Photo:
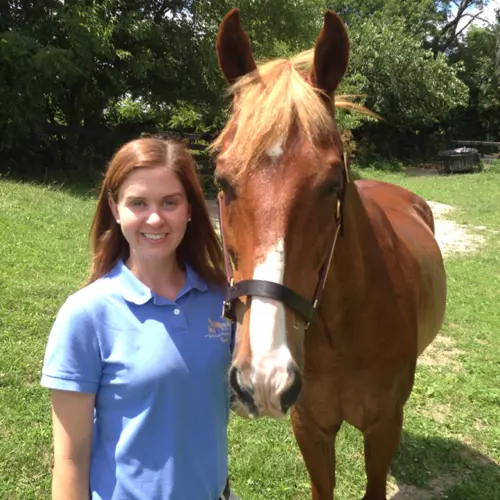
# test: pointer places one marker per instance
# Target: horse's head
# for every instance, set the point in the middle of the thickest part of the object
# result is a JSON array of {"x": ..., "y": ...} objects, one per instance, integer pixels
[{"x": 281, "y": 172}]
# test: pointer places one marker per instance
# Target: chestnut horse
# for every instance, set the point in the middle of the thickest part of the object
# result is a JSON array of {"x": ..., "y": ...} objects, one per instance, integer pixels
[{"x": 287, "y": 205}]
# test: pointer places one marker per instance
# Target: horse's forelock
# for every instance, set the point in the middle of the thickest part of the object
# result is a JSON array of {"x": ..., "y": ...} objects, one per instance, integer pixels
[{"x": 271, "y": 101}]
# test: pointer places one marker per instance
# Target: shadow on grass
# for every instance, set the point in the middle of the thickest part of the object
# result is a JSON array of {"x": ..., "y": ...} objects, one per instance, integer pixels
[
  {"x": 428, "y": 468},
  {"x": 79, "y": 188},
  {"x": 89, "y": 187}
]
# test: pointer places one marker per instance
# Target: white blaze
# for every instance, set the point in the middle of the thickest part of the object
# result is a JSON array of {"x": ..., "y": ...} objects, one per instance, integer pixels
[
  {"x": 276, "y": 150},
  {"x": 270, "y": 353}
]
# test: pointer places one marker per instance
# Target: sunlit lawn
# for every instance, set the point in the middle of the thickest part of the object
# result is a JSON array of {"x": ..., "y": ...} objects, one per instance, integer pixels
[{"x": 451, "y": 442}]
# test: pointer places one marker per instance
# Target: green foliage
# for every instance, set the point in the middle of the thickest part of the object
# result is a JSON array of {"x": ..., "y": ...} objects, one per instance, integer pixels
[
  {"x": 131, "y": 110},
  {"x": 494, "y": 166},
  {"x": 21, "y": 99},
  {"x": 381, "y": 165},
  {"x": 481, "y": 72},
  {"x": 186, "y": 115},
  {"x": 150, "y": 66},
  {"x": 406, "y": 85}
]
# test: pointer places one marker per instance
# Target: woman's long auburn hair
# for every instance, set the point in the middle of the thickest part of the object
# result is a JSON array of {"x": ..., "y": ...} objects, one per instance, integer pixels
[{"x": 200, "y": 247}]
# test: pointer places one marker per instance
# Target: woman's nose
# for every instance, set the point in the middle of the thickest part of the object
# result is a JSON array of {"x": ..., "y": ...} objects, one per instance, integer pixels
[{"x": 154, "y": 218}]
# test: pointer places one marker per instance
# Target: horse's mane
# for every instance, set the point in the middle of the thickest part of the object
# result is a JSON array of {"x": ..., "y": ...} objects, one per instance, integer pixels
[{"x": 271, "y": 101}]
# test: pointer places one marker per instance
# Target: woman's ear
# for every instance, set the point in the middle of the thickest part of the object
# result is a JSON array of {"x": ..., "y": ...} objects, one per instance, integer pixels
[{"x": 114, "y": 208}]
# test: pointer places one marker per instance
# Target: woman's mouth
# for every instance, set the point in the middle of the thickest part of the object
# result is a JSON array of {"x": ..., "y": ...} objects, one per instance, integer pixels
[{"x": 154, "y": 236}]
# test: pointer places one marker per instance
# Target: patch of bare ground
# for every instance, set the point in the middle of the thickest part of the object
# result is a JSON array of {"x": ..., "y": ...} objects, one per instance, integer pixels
[
  {"x": 454, "y": 238},
  {"x": 442, "y": 352},
  {"x": 436, "y": 487},
  {"x": 471, "y": 454},
  {"x": 438, "y": 412},
  {"x": 477, "y": 458},
  {"x": 478, "y": 425}
]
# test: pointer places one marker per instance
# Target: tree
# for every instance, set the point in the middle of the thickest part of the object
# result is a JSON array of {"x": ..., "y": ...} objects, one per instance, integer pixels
[
  {"x": 481, "y": 72},
  {"x": 405, "y": 84},
  {"x": 89, "y": 64},
  {"x": 456, "y": 17}
]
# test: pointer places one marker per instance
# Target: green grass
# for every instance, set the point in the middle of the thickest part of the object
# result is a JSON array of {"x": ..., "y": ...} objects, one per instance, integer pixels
[{"x": 451, "y": 442}]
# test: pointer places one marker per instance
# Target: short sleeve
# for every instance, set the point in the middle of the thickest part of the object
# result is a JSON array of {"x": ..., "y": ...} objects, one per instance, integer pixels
[{"x": 72, "y": 358}]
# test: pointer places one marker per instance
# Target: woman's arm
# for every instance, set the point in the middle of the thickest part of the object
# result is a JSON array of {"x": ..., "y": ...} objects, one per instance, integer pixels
[{"x": 73, "y": 423}]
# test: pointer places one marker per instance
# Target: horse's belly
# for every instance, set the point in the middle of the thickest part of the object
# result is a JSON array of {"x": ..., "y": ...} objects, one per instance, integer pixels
[
  {"x": 430, "y": 289},
  {"x": 418, "y": 253},
  {"x": 369, "y": 398},
  {"x": 432, "y": 302}
]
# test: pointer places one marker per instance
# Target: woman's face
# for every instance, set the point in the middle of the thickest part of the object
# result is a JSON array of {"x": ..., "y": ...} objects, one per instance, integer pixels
[{"x": 153, "y": 212}]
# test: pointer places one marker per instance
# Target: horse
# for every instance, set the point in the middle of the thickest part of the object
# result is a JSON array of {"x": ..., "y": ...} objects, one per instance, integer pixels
[{"x": 335, "y": 286}]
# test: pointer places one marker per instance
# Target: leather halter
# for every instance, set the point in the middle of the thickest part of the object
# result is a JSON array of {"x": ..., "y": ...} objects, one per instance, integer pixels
[{"x": 269, "y": 289}]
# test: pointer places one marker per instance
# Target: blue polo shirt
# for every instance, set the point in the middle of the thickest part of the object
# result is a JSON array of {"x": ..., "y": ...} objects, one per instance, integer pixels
[{"x": 158, "y": 369}]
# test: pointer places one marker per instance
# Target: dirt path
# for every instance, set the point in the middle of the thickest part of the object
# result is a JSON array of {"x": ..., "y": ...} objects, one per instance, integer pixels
[{"x": 452, "y": 237}]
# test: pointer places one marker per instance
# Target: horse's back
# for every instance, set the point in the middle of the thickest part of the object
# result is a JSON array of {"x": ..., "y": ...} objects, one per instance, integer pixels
[
  {"x": 412, "y": 227},
  {"x": 397, "y": 202}
]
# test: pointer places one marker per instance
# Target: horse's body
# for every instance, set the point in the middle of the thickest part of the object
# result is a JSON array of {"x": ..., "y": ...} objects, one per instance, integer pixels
[
  {"x": 405, "y": 229},
  {"x": 360, "y": 361},
  {"x": 384, "y": 294}
]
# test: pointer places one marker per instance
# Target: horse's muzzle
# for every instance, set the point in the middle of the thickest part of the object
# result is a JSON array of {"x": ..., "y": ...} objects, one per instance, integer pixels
[
  {"x": 256, "y": 407},
  {"x": 244, "y": 393},
  {"x": 292, "y": 392}
]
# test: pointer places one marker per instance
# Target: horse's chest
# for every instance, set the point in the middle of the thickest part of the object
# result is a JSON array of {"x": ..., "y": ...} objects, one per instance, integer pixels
[
  {"x": 362, "y": 401},
  {"x": 357, "y": 390}
]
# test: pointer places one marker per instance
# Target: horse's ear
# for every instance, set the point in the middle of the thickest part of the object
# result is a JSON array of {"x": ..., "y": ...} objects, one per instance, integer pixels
[
  {"x": 331, "y": 54},
  {"x": 233, "y": 48}
]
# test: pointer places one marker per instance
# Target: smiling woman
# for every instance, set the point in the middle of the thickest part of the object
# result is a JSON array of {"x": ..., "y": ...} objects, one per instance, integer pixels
[
  {"x": 153, "y": 212},
  {"x": 137, "y": 360},
  {"x": 134, "y": 183}
]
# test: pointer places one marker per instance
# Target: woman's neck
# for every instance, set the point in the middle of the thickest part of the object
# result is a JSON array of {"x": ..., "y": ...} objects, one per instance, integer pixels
[{"x": 165, "y": 278}]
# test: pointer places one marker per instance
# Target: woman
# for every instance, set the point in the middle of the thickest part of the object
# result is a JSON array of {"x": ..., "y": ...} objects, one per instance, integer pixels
[{"x": 137, "y": 360}]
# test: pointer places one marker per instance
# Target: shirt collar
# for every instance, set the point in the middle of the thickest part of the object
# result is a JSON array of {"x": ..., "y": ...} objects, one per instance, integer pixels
[
  {"x": 135, "y": 291},
  {"x": 193, "y": 281}
]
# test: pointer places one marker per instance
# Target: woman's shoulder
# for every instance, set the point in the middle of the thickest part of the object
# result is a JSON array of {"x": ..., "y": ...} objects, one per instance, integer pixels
[
  {"x": 217, "y": 290},
  {"x": 93, "y": 297}
]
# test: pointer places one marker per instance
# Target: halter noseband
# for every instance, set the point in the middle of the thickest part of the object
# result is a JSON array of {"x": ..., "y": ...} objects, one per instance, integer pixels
[{"x": 269, "y": 289}]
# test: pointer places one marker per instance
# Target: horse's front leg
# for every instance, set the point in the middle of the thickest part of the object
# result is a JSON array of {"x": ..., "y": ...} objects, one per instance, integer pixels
[
  {"x": 381, "y": 441},
  {"x": 317, "y": 444}
]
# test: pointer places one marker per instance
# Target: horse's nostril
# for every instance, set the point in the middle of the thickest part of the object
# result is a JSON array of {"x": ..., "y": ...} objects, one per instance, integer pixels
[
  {"x": 291, "y": 394},
  {"x": 243, "y": 392}
]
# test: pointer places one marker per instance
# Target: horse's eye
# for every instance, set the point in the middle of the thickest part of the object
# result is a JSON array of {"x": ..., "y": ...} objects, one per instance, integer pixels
[
  {"x": 331, "y": 188},
  {"x": 221, "y": 183},
  {"x": 225, "y": 186}
]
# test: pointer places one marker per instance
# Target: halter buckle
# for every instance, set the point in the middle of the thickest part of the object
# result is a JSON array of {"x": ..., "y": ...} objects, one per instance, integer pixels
[{"x": 228, "y": 311}]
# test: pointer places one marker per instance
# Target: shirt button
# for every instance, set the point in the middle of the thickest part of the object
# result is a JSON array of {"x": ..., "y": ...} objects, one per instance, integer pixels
[{"x": 177, "y": 312}]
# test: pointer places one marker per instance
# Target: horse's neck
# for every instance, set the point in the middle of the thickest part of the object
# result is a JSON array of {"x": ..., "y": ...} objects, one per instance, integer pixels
[{"x": 347, "y": 281}]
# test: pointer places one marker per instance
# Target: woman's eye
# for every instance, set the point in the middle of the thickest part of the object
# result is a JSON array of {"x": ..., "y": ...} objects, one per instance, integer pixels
[
  {"x": 170, "y": 203},
  {"x": 137, "y": 203}
]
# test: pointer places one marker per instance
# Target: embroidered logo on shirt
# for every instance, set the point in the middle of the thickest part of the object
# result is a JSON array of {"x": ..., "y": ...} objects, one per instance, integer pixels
[{"x": 219, "y": 330}]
